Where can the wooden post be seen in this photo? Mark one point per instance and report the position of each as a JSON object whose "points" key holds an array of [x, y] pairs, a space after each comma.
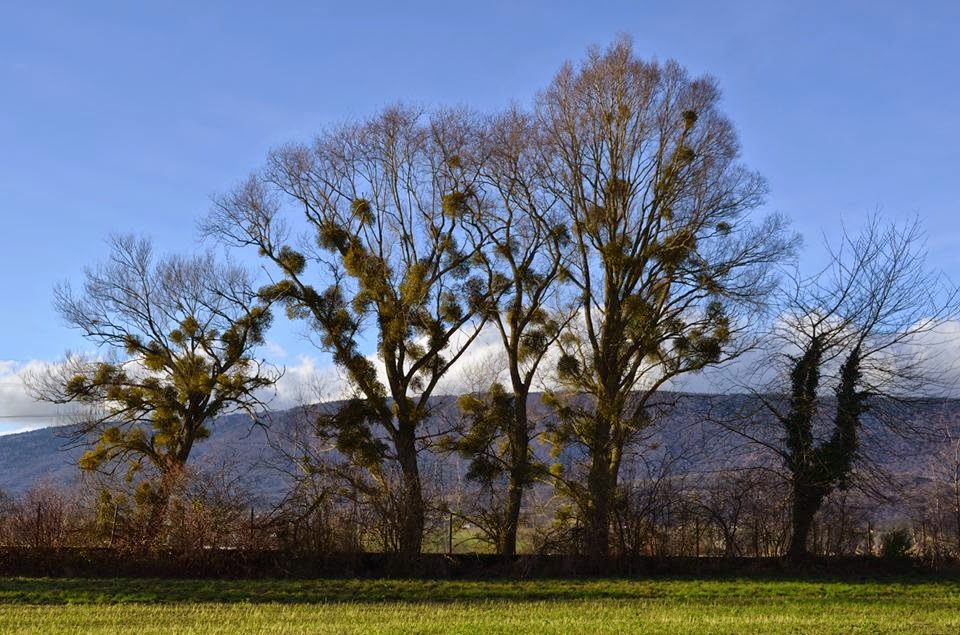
{"points": [[756, 537], [358, 538], [697, 538], [450, 534], [113, 526], [36, 537]]}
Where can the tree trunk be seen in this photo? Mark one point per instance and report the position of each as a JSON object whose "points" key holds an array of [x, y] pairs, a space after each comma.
{"points": [[159, 504], [412, 515], [596, 539], [518, 476], [508, 538], [805, 507]]}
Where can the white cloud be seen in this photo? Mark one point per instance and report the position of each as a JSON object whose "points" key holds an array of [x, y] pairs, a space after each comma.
{"points": [[19, 411], [274, 350], [313, 378], [481, 364], [309, 380], [306, 382]]}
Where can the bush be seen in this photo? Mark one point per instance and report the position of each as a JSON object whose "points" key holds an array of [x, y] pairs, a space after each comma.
{"points": [[896, 545]]}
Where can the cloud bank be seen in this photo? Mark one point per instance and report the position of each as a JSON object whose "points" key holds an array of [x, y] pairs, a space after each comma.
{"points": [[312, 378], [19, 412]]}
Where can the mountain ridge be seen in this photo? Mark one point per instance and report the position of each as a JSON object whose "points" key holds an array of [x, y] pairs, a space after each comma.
{"points": [[48, 456]]}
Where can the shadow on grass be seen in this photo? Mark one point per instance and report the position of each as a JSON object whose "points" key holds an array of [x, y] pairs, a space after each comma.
{"points": [[59, 591]]}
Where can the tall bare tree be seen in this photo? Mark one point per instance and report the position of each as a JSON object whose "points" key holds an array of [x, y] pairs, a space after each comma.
{"points": [[666, 264], [528, 248], [392, 204], [179, 335], [858, 342]]}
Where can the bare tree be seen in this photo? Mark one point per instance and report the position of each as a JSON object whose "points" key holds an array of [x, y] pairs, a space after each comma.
{"points": [[179, 334], [528, 246], [44, 516], [329, 504], [858, 342], [726, 499], [667, 267], [648, 499], [946, 480], [392, 204]]}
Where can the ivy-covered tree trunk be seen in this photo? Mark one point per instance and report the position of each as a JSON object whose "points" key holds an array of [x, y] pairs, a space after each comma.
{"points": [[816, 470], [806, 503]]}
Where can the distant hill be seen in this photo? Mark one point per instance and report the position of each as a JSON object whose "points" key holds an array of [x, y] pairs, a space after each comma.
{"points": [[50, 455], [685, 432]]}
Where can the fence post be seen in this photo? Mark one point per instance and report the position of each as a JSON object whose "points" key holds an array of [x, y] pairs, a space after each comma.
{"points": [[756, 537], [37, 531], [697, 537], [450, 534], [113, 526]]}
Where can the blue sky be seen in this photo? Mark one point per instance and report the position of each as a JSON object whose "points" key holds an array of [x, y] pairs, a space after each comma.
{"points": [[129, 116]]}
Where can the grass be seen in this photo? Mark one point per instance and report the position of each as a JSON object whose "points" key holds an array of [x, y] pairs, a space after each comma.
{"points": [[30, 605]]}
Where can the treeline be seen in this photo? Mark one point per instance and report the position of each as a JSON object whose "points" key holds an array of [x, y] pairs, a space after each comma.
{"points": [[741, 513], [608, 236]]}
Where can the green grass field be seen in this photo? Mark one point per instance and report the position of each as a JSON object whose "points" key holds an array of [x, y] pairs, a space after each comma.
{"points": [[534, 606]]}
